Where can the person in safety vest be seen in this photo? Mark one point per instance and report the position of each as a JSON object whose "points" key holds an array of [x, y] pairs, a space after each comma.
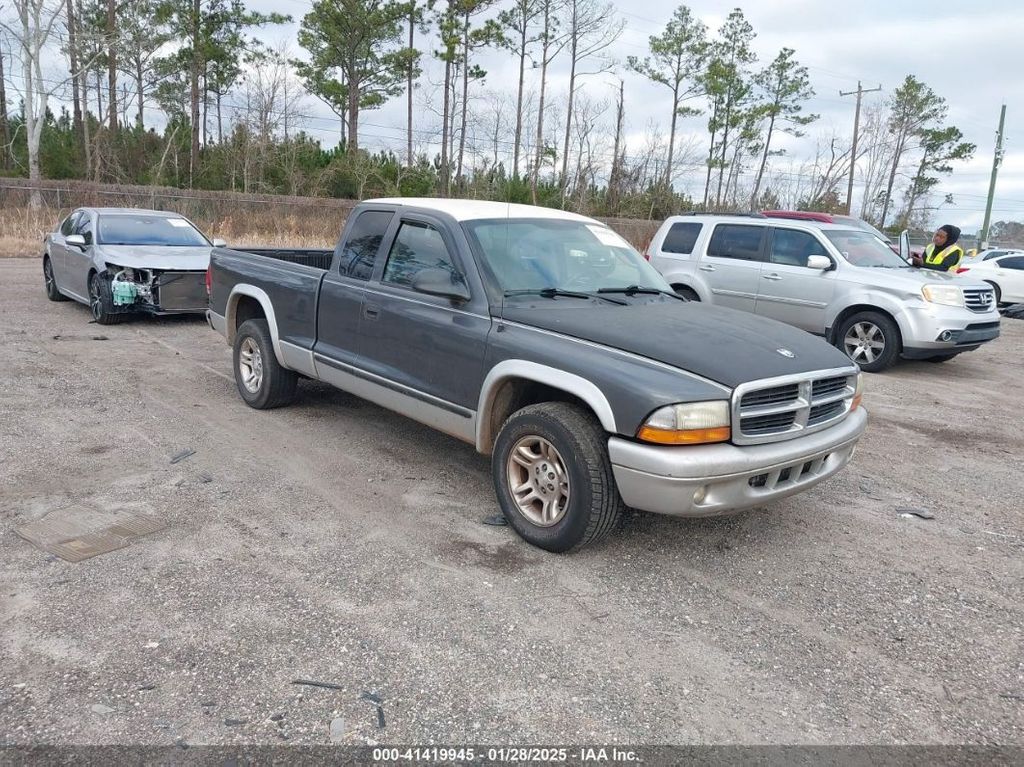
{"points": [[942, 254]]}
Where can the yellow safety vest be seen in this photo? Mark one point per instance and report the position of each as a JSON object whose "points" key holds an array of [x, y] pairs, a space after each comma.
{"points": [[931, 257]]}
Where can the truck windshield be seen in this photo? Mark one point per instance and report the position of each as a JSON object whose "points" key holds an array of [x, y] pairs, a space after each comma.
{"points": [[539, 254], [864, 249], [149, 230]]}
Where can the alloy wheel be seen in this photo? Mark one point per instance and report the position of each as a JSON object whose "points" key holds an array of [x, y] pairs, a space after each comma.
{"points": [[538, 480]]}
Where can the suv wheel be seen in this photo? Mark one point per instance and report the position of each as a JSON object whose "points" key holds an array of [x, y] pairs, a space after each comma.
{"points": [[553, 477], [686, 292], [870, 339]]}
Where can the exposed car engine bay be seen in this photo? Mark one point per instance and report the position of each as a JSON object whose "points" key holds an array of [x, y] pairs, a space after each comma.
{"points": [[155, 291]]}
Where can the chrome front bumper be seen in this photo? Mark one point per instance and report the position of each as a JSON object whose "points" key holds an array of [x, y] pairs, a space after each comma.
{"points": [[705, 480]]}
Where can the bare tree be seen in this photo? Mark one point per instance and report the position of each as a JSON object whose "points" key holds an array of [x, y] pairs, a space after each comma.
{"points": [[552, 42], [5, 161], [32, 35], [521, 19], [591, 26]]}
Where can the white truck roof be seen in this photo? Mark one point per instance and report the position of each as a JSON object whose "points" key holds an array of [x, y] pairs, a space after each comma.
{"points": [[470, 210]]}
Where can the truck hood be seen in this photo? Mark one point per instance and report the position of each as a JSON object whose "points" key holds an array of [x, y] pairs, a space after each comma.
{"points": [[156, 257], [724, 345]]}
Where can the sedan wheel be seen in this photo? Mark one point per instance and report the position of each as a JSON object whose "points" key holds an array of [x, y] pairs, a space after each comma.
{"points": [[538, 480], [864, 342]]}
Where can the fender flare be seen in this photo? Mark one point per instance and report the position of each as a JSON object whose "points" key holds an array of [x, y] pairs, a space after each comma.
{"points": [[244, 289], [543, 374]]}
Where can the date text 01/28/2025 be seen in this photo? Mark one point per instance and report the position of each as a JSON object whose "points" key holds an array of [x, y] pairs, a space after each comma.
{"points": [[503, 754]]}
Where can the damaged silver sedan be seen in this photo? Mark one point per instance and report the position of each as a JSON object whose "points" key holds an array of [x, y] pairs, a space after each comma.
{"points": [[123, 262]]}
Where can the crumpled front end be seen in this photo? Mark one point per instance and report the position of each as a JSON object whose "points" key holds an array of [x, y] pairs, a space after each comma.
{"points": [[155, 291]]}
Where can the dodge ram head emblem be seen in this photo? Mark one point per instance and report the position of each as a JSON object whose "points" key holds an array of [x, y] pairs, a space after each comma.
{"points": [[786, 353]]}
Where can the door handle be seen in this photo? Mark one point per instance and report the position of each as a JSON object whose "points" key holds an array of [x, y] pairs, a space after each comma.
{"points": [[772, 277], [371, 312], [706, 268]]}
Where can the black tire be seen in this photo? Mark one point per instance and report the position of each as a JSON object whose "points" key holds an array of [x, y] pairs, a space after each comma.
{"points": [[888, 331], [593, 506], [50, 280], [941, 357], [101, 303], [275, 386], [688, 293], [997, 291]]}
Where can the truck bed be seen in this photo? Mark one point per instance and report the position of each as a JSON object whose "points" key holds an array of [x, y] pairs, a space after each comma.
{"points": [[315, 257]]}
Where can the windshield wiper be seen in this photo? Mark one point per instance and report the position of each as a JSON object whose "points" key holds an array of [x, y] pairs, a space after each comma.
{"points": [[553, 292], [633, 290]]}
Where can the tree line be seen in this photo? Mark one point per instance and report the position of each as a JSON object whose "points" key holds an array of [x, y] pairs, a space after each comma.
{"points": [[184, 93]]}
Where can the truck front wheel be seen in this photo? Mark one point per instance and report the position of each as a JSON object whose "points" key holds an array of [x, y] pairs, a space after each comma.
{"points": [[261, 380], [553, 477]]}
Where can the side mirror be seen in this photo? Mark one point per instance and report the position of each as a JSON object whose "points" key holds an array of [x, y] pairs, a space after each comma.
{"points": [[440, 282], [75, 240], [905, 245], [821, 263], [219, 243]]}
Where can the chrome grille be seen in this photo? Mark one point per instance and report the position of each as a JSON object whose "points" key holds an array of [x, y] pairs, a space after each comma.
{"points": [[781, 408], [979, 299], [771, 396]]}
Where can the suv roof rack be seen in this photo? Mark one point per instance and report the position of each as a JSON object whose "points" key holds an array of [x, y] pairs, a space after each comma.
{"points": [[754, 214], [800, 215]]}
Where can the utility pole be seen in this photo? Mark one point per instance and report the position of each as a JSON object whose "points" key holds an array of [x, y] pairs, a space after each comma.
{"points": [[996, 162], [853, 151]]}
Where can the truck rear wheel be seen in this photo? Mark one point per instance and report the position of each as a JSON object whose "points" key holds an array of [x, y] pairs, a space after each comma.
{"points": [[260, 379], [553, 477]]}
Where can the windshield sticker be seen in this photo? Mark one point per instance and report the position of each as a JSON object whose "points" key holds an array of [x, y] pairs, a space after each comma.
{"points": [[607, 237], [179, 222]]}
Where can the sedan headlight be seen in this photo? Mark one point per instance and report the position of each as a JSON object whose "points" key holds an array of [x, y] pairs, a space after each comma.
{"points": [[945, 295], [692, 423]]}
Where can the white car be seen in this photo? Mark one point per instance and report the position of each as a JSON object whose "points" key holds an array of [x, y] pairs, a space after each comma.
{"points": [[1004, 273]]}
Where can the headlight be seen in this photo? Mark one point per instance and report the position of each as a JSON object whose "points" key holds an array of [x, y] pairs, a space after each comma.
{"points": [[692, 423], [858, 392], [946, 295]]}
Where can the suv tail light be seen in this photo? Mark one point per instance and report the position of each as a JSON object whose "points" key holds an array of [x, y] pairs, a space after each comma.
{"points": [[963, 269], [209, 280]]}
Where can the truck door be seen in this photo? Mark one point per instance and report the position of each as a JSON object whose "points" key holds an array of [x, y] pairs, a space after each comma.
{"points": [[430, 346], [343, 287]]}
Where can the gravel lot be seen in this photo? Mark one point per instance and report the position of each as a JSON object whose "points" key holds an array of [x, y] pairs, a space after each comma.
{"points": [[335, 541]]}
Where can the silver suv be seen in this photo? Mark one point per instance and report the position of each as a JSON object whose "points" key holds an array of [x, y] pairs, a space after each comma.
{"points": [[833, 280]]}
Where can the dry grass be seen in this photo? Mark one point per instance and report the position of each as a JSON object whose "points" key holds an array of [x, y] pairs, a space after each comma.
{"points": [[22, 229], [242, 220]]}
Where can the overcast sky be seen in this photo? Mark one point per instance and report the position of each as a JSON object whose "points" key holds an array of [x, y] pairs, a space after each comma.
{"points": [[967, 52]]}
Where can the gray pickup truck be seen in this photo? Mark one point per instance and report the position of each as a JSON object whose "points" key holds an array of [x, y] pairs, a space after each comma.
{"points": [[546, 341]]}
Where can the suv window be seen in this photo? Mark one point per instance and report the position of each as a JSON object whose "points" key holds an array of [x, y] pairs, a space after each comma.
{"points": [[737, 241], [1013, 262], [681, 238], [359, 251], [417, 247], [791, 248]]}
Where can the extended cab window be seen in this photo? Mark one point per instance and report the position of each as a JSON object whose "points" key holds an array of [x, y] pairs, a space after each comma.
{"points": [[681, 238], [737, 241], [359, 251], [417, 247], [791, 248]]}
